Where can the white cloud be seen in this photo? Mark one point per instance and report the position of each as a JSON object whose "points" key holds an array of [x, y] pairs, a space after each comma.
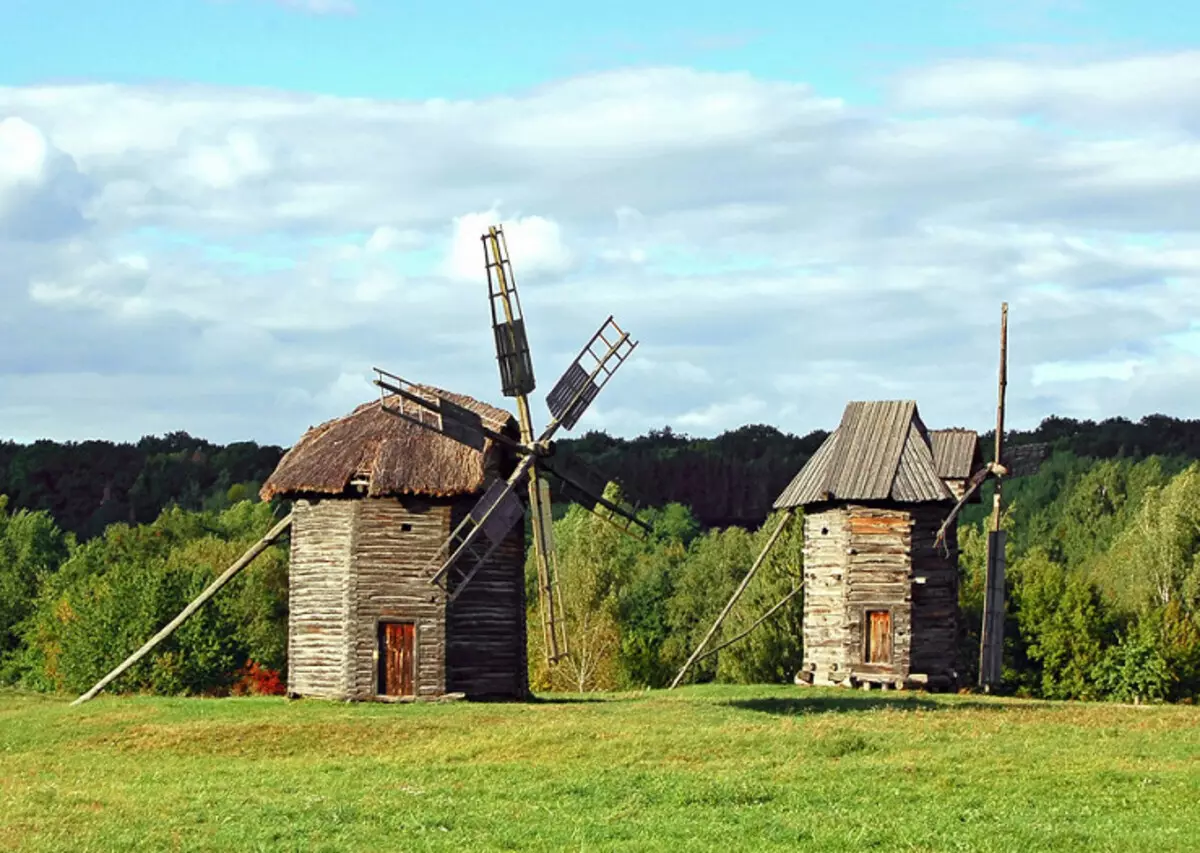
{"points": [[24, 153], [41, 191], [707, 419], [776, 251], [535, 245], [1155, 88]]}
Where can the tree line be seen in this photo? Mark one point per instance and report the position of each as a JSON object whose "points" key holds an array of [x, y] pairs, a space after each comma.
{"points": [[1104, 576], [730, 479]]}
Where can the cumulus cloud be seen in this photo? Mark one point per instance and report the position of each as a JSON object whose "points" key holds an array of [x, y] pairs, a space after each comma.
{"points": [[41, 191], [229, 261]]}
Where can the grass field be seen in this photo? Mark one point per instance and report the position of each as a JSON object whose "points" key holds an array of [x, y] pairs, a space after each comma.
{"points": [[702, 768]]}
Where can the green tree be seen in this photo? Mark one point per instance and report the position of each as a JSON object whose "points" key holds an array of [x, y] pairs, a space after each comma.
{"points": [[31, 548], [1156, 556], [592, 566], [116, 591], [1064, 624], [1134, 670]]}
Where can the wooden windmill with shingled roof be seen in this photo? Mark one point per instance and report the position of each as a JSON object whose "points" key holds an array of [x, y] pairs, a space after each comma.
{"points": [[880, 600], [881, 498]]}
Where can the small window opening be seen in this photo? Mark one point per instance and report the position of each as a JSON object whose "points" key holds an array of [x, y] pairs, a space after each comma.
{"points": [[405, 528], [824, 531]]}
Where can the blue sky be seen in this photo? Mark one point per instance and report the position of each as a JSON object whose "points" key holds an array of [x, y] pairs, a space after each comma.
{"points": [[392, 49], [790, 205]]}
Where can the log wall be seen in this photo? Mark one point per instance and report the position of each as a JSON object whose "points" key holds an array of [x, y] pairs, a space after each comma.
{"points": [[396, 538], [935, 613], [357, 562], [826, 540], [879, 578], [318, 598], [863, 558], [486, 651]]}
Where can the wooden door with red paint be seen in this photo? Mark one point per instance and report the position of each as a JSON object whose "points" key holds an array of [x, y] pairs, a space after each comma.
{"points": [[397, 658]]}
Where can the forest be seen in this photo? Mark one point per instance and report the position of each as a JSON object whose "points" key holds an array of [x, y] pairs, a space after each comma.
{"points": [[102, 543]]}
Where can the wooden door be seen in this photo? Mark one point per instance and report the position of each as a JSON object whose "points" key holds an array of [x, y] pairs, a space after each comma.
{"points": [[397, 660], [879, 636]]}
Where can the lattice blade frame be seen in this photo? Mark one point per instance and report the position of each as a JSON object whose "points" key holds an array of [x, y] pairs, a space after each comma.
{"points": [[474, 523], [589, 498], [508, 321], [497, 511], [410, 402], [588, 374]]}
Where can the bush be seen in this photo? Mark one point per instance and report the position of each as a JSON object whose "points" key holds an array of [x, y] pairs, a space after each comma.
{"points": [[1134, 670], [116, 591], [31, 549]]}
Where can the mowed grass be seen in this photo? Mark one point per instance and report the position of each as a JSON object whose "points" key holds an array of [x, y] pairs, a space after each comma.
{"points": [[701, 768]]}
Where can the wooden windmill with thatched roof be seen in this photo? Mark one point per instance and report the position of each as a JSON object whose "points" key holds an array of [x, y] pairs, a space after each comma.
{"points": [[427, 595], [407, 556], [373, 497]]}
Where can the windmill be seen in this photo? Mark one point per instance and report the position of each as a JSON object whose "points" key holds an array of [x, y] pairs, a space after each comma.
{"points": [[483, 529], [1018, 462], [866, 450]]}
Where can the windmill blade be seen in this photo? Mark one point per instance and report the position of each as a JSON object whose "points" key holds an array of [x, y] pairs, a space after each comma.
{"points": [[587, 375], [549, 592], [508, 323], [590, 498], [1025, 460], [592, 481], [974, 483], [492, 517], [415, 404]]}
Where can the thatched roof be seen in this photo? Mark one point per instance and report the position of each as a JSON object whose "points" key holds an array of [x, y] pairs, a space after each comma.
{"points": [[880, 451], [392, 455]]}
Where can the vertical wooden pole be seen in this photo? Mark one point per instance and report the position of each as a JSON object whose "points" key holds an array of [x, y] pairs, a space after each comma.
{"points": [[991, 633], [1000, 410]]}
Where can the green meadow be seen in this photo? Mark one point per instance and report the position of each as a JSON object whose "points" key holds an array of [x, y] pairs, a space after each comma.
{"points": [[700, 768]]}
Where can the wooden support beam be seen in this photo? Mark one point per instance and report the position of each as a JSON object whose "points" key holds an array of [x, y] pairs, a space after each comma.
{"points": [[761, 619], [737, 593], [991, 635], [212, 589]]}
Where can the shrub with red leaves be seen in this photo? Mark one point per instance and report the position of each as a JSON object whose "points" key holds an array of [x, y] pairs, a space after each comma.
{"points": [[255, 680]]}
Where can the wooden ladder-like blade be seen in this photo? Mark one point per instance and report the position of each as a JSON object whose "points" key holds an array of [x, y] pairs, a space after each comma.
{"points": [[492, 517], [417, 405], [586, 495], [508, 322], [587, 375]]}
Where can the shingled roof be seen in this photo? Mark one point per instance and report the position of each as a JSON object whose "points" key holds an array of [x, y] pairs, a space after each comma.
{"points": [[955, 453], [880, 451], [392, 455]]}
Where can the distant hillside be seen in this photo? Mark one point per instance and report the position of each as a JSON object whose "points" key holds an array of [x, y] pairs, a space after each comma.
{"points": [[727, 480]]}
